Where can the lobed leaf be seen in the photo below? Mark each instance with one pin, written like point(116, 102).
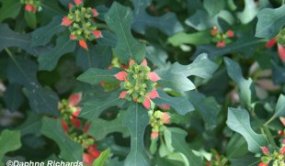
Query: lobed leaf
point(238, 120)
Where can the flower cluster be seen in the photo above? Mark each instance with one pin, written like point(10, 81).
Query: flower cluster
point(32, 5)
point(221, 39)
point(280, 40)
point(217, 159)
point(81, 23)
point(277, 158)
point(77, 128)
point(157, 120)
point(138, 83)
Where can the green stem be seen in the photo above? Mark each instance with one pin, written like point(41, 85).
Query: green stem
point(270, 120)
point(265, 130)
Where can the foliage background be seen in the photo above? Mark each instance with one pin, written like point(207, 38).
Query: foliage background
point(225, 102)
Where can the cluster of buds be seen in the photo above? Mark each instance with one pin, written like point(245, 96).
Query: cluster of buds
point(32, 5)
point(276, 158)
point(77, 128)
point(221, 39)
point(157, 120)
point(81, 23)
point(217, 159)
point(280, 40)
point(138, 83)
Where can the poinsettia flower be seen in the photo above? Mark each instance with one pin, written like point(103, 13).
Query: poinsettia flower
point(83, 44)
point(95, 12)
point(221, 44)
point(165, 117)
point(30, 8)
point(154, 134)
point(164, 106)
point(97, 34)
point(265, 150)
point(281, 49)
point(93, 151)
point(88, 158)
point(78, 2)
point(147, 103)
point(121, 76)
point(123, 94)
point(262, 164)
point(66, 21)
point(230, 33)
point(74, 99)
point(64, 125)
point(72, 37)
point(153, 76)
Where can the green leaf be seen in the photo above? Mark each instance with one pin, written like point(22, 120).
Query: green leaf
point(98, 56)
point(180, 104)
point(207, 107)
point(9, 38)
point(175, 76)
point(69, 150)
point(181, 146)
point(249, 12)
point(238, 120)
point(31, 125)
point(136, 122)
point(42, 100)
point(102, 159)
point(202, 67)
point(236, 147)
point(93, 107)
point(119, 19)
point(41, 36)
point(280, 106)
point(245, 86)
point(270, 22)
point(167, 23)
point(9, 9)
point(13, 97)
point(196, 38)
point(24, 72)
point(94, 76)
point(9, 141)
point(101, 128)
point(214, 9)
point(48, 60)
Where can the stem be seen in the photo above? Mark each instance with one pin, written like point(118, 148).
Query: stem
point(89, 59)
point(269, 121)
point(269, 136)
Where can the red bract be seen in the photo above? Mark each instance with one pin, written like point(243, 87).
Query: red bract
point(282, 150)
point(281, 52)
point(78, 2)
point(83, 44)
point(64, 125)
point(221, 44)
point(165, 117)
point(123, 94)
point(30, 8)
point(75, 99)
point(164, 106)
point(121, 76)
point(95, 12)
point(147, 103)
point(97, 34)
point(93, 151)
point(88, 158)
point(262, 164)
point(66, 21)
point(265, 150)
point(154, 135)
point(230, 33)
point(281, 48)
point(153, 76)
